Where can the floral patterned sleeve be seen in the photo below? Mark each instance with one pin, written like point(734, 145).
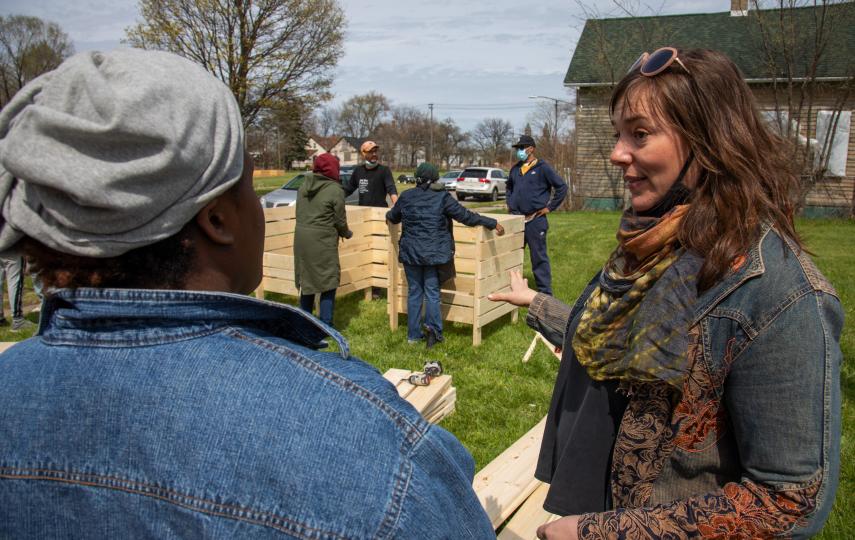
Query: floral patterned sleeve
point(743, 510)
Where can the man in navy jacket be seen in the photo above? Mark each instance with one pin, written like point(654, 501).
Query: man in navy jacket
point(534, 190)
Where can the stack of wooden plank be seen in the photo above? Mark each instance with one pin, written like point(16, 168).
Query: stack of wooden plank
point(434, 401)
point(507, 487)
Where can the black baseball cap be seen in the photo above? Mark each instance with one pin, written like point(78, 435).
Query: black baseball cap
point(524, 142)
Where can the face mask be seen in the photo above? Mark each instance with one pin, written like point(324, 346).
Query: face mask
point(370, 164)
point(522, 154)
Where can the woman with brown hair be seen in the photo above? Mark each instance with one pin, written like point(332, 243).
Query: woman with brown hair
point(699, 391)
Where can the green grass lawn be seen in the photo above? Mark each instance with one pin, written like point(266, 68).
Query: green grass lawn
point(499, 398)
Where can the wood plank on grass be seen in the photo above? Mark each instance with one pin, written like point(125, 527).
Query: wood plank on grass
point(424, 396)
point(530, 516)
point(508, 480)
point(398, 377)
point(440, 408)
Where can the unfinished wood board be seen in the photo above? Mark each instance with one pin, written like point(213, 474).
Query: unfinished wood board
point(6, 344)
point(530, 516)
point(442, 407)
point(434, 401)
point(508, 480)
point(425, 396)
point(278, 260)
point(280, 214)
point(281, 286)
point(282, 241)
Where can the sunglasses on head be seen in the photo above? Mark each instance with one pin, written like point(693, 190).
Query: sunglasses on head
point(652, 64)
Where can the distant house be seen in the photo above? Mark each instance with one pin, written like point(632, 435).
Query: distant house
point(607, 47)
point(346, 149)
point(313, 148)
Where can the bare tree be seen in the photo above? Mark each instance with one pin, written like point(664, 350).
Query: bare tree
point(795, 44)
point(326, 121)
point(493, 137)
point(29, 47)
point(449, 143)
point(405, 136)
point(266, 51)
point(360, 115)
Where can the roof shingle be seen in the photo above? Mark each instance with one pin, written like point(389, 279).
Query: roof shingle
point(607, 47)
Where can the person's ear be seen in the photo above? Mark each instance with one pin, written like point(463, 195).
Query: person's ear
point(217, 220)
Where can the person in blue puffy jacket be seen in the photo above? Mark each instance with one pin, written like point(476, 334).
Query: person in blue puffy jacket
point(426, 244)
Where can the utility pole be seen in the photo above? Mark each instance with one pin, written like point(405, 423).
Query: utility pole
point(555, 101)
point(278, 153)
point(430, 154)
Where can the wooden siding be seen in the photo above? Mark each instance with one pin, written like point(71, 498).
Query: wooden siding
point(600, 183)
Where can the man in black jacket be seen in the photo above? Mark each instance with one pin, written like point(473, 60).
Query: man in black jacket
point(534, 190)
point(373, 180)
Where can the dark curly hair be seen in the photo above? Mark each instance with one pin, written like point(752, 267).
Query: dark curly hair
point(162, 265)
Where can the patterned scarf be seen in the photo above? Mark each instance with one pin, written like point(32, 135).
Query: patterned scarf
point(636, 322)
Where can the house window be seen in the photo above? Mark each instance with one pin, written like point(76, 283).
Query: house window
point(833, 140)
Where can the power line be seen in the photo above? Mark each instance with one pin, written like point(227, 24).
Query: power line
point(485, 106)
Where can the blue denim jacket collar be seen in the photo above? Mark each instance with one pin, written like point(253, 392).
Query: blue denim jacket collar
point(752, 267)
point(116, 317)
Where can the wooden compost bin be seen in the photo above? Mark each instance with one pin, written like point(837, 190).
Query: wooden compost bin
point(355, 255)
point(483, 261)
point(370, 259)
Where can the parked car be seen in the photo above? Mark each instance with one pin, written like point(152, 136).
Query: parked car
point(449, 180)
point(481, 182)
point(406, 179)
point(287, 194)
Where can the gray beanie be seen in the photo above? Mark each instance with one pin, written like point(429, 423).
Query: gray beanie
point(114, 151)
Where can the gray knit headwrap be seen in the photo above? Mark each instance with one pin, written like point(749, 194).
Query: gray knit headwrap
point(114, 151)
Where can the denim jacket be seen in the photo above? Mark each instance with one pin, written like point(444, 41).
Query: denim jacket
point(178, 414)
point(752, 446)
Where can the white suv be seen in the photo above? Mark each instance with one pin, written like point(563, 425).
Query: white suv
point(484, 182)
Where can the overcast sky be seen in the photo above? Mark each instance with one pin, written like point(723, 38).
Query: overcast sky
point(472, 58)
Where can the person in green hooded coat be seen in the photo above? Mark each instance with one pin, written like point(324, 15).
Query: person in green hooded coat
point(321, 221)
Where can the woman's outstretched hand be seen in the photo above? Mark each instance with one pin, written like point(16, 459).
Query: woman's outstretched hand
point(499, 229)
point(519, 295)
point(562, 529)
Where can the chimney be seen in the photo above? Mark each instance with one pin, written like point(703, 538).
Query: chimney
point(738, 8)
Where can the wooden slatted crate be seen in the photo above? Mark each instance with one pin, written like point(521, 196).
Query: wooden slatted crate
point(355, 255)
point(370, 259)
point(483, 261)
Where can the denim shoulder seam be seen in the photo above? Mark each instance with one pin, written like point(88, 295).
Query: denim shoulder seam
point(171, 496)
point(777, 311)
point(412, 432)
point(811, 273)
point(827, 392)
point(392, 515)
